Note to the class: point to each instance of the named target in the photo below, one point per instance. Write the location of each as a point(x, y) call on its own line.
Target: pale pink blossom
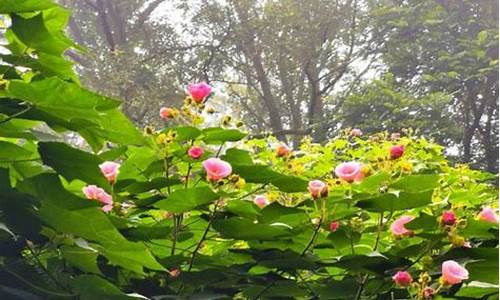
point(110, 170)
point(488, 214)
point(453, 273)
point(195, 152)
point(402, 278)
point(318, 189)
point(350, 171)
point(93, 192)
point(261, 201)
point(199, 91)
point(356, 132)
point(216, 169)
point(398, 226)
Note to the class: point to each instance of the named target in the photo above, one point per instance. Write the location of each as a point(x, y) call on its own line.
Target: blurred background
point(304, 67)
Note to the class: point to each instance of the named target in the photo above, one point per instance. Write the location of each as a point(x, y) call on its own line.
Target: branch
point(101, 13)
point(144, 15)
point(15, 115)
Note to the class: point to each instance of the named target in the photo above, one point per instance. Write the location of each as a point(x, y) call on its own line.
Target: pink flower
point(350, 171)
point(448, 218)
point(199, 91)
point(174, 272)
point(453, 273)
point(428, 292)
point(216, 169)
point(395, 136)
point(398, 226)
point(195, 152)
point(397, 151)
point(318, 189)
point(282, 150)
point(402, 278)
point(261, 201)
point(110, 170)
point(334, 226)
point(93, 192)
point(356, 132)
point(488, 215)
point(167, 113)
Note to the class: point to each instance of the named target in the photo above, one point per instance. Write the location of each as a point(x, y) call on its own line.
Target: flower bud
point(402, 279)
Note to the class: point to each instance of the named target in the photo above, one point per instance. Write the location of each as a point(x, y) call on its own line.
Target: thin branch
point(15, 115)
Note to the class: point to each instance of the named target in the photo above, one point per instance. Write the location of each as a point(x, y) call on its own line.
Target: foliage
point(173, 233)
point(451, 47)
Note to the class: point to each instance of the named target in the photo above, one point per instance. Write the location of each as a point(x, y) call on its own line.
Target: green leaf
point(391, 202)
point(186, 133)
point(373, 183)
point(19, 6)
point(132, 256)
point(73, 163)
point(83, 259)
point(243, 208)
point(424, 221)
point(416, 183)
point(236, 156)
point(65, 104)
point(34, 34)
point(88, 223)
point(187, 199)
point(92, 287)
point(10, 152)
point(477, 290)
point(217, 135)
point(244, 229)
point(263, 174)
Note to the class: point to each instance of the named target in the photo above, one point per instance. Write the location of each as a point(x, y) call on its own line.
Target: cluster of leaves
point(174, 233)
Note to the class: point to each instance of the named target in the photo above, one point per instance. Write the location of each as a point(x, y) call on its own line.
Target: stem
point(253, 192)
point(200, 242)
point(15, 115)
point(167, 167)
point(365, 278)
point(315, 234)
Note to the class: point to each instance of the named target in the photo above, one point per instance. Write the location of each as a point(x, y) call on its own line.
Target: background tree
point(452, 47)
point(118, 37)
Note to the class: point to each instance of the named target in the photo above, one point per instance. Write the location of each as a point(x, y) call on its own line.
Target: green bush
point(140, 215)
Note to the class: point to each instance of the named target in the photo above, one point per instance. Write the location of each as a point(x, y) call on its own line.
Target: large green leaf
point(10, 152)
point(92, 287)
point(187, 199)
point(68, 105)
point(416, 183)
point(132, 256)
point(217, 135)
point(72, 163)
point(263, 174)
point(34, 34)
point(83, 259)
point(392, 202)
